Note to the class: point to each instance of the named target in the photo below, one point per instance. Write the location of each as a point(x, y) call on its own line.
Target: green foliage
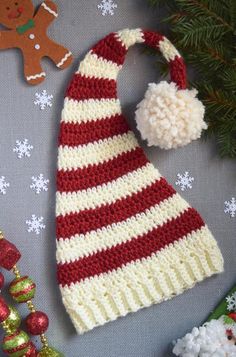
point(228, 320)
point(205, 32)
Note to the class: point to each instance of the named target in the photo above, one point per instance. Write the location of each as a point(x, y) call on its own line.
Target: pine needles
point(205, 32)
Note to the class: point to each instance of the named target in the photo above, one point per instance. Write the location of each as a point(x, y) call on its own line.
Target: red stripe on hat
point(73, 134)
point(137, 248)
point(111, 49)
point(81, 88)
point(178, 72)
point(92, 219)
point(94, 175)
point(152, 39)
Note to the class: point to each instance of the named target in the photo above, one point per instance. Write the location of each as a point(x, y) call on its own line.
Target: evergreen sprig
point(205, 32)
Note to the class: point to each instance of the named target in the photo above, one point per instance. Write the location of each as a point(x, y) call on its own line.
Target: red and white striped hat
point(125, 238)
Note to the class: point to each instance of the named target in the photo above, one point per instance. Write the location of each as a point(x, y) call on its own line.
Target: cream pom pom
point(169, 117)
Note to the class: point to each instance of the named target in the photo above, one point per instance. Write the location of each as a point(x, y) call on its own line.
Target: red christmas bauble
point(1, 280)
point(232, 315)
point(4, 310)
point(9, 254)
point(32, 352)
point(37, 323)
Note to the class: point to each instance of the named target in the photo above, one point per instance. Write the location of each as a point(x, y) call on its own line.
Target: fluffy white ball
point(168, 117)
point(209, 340)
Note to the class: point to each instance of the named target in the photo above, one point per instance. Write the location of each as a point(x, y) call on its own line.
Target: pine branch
point(229, 80)
point(212, 8)
point(211, 59)
point(232, 10)
point(227, 144)
point(193, 31)
point(205, 32)
point(220, 102)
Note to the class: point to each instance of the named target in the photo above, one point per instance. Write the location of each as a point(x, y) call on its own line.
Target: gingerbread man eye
point(7, 8)
point(16, 3)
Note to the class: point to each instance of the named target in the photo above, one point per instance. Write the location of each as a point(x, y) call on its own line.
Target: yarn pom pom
point(169, 117)
point(209, 340)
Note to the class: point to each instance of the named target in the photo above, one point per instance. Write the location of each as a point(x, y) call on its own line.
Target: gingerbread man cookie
point(28, 31)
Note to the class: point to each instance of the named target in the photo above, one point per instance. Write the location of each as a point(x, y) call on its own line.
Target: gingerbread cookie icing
point(28, 31)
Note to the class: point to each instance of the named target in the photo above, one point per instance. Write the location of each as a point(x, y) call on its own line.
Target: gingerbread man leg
point(60, 55)
point(34, 73)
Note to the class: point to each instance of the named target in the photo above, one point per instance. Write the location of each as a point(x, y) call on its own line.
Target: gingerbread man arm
point(46, 13)
point(7, 40)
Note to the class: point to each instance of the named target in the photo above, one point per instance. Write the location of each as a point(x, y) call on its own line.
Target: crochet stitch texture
point(125, 238)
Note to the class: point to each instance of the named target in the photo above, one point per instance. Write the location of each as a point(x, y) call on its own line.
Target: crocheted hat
point(125, 238)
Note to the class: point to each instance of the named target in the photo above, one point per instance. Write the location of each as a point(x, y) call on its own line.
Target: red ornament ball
point(9, 254)
point(1, 280)
point(4, 310)
point(22, 289)
point(37, 323)
point(232, 315)
point(16, 344)
point(32, 352)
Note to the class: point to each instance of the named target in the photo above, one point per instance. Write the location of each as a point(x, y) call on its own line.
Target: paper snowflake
point(22, 148)
point(3, 185)
point(35, 224)
point(43, 99)
point(39, 183)
point(107, 7)
point(184, 181)
point(230, 207)
point(231, 302)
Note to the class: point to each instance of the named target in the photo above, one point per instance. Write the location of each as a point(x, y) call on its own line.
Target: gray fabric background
point(147, 333)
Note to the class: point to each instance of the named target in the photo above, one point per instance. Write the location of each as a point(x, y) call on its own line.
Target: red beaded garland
point(37, 323)
point(4, 310)
point(1, 280)
point(17, 342)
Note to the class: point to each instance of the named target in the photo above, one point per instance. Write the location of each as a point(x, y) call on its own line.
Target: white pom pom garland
point(209, 340)
point(169, 117)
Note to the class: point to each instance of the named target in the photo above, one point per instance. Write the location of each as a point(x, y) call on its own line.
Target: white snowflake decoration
point(107, 7)
point(230, 207)
point(184, 181)
point(35, 224)
point(43, 99)
point(39, 184)
point(231, 302)
point(23, 148)
point(3, 185)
